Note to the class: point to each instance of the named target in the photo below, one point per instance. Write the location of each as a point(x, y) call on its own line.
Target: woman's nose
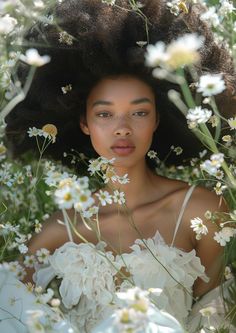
point(123, 130)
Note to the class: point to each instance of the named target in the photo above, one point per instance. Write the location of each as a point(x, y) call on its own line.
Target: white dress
point(152, 264)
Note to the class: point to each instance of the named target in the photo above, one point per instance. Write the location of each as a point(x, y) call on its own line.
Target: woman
point(115, 102)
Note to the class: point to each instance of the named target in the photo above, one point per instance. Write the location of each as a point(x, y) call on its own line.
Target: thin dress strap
point(181, 213)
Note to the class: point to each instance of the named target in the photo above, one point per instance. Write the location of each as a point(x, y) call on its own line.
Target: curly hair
point(102, 41)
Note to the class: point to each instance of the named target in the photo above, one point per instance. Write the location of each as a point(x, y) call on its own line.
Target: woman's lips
point(123, 148)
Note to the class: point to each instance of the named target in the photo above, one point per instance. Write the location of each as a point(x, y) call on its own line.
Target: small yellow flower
point(50, 129)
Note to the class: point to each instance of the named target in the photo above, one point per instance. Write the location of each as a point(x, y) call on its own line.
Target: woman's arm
point(208, 250)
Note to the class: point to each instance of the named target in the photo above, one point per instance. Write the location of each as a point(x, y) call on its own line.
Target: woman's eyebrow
point(101, 102)
point(135, 101)
point(141, 100)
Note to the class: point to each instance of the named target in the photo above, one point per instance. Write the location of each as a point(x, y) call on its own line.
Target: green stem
point(20, 97)
point(185, 89)
point(217, 114)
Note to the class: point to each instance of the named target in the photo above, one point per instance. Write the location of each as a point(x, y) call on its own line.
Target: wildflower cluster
point(138, 315)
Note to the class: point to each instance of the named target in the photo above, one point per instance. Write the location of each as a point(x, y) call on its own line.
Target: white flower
point(152, 154)
point(123, 179)
point(198, 227)
point(211, 84)
point(217, 159)
point(223, 236)
point(227, 138)
point(99, 164)
point(33, 131)
point(174, 7)
point(208, 311)
point(84, 201)
point(198, 115)
point(211, 166)
point(15, 268)
point(29, 261)
point(119, 197)
point(37, 226)
point(39, 4)
point(65, 197)
point(232, 123)
point(219, 174)
point(211, 17)
point(130, 320)
point(23, 248)
point(104, 197)
point(228, 273)
point(7, 24)
point(42, 255)
point(219, 188)
point(183, 50)
point(156, 54)
point(178, 150)
point(90, 212)
point(180, 52)
point(226, 7)
point(214, 121)
point(33, 58)
point(54, 177)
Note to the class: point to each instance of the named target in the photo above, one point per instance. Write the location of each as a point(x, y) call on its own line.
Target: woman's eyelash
point(107, 114)
point(140, 113)
point(103, 114)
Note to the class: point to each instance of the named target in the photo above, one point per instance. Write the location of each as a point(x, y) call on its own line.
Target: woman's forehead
point(123, 86)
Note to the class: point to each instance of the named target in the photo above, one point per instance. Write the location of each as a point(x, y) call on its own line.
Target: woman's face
point(120, 119)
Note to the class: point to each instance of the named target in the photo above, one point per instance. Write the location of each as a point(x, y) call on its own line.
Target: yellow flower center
point(67, 197)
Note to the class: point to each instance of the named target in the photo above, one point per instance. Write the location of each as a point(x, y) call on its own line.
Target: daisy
point(42, 255)
point(198, 226)
point(29, 261)
point(232, 123)
point(210, 84)
point(119, 197)
point(33, 131)
point(104, 197)
point(223, 236)
point(152, 154)
point(84, 201)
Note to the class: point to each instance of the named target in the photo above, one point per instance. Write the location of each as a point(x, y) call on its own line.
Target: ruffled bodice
point(154, 264)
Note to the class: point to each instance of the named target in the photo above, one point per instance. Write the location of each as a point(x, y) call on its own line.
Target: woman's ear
point(84, 126)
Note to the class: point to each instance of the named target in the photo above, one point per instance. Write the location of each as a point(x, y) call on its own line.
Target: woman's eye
point(140, 113)
point(103, 114)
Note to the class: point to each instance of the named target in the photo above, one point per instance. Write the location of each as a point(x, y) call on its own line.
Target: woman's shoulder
point(197, 196)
